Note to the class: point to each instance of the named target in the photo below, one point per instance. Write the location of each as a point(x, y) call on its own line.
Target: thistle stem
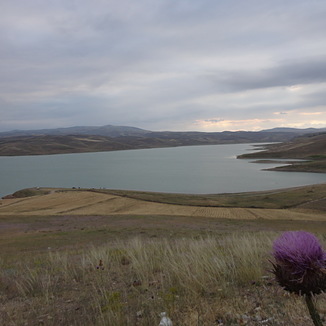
point(313, 311)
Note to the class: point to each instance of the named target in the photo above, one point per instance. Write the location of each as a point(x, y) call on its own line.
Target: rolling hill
point(310, 147)
point(108, 131)
point(110, 138)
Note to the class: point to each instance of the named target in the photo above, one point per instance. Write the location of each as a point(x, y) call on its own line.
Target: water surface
point(191, 169)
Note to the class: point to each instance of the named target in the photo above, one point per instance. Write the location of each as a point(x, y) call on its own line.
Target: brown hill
point(310, 147)
point(61, 144)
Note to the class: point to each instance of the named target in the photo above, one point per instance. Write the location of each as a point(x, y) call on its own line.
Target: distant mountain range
point(121, 131)
point(109, 138)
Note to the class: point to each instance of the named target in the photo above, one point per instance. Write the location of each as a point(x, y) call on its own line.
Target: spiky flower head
point(300, 263)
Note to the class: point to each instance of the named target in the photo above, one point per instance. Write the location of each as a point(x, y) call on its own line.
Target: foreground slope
point(108, 257)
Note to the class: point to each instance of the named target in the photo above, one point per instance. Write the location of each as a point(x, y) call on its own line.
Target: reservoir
point(190, 169)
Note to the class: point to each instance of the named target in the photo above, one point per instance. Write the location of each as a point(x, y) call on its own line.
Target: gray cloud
point(159, 65)
point(305, 71)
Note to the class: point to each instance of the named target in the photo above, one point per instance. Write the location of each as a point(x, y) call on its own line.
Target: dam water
point(190, 169)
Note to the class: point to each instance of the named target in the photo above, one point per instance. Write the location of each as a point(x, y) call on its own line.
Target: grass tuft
point(197, 281)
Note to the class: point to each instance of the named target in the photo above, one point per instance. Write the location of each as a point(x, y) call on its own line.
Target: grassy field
point(202, 259)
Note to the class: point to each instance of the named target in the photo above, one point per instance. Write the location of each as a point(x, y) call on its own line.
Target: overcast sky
point(206, 65)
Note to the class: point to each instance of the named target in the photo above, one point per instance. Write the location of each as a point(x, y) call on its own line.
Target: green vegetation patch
point(29, 192)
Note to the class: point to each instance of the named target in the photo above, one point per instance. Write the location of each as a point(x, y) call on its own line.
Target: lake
point(190, 169)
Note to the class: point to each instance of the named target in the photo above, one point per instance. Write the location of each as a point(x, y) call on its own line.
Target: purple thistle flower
point(300, 262)
point(299, 249)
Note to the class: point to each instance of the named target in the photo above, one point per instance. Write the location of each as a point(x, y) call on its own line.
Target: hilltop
point(108, 130)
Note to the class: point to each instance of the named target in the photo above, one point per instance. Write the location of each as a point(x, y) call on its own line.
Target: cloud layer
point(163, 65)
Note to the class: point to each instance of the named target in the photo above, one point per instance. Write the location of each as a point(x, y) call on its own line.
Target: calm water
point(193, 169)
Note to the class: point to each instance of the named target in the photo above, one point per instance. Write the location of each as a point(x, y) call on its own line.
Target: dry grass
point(204, 281)
point(274, 199)
point(205, 266)
point(102, 203)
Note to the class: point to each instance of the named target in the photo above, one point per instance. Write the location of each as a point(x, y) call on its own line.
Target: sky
point(179, 65)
